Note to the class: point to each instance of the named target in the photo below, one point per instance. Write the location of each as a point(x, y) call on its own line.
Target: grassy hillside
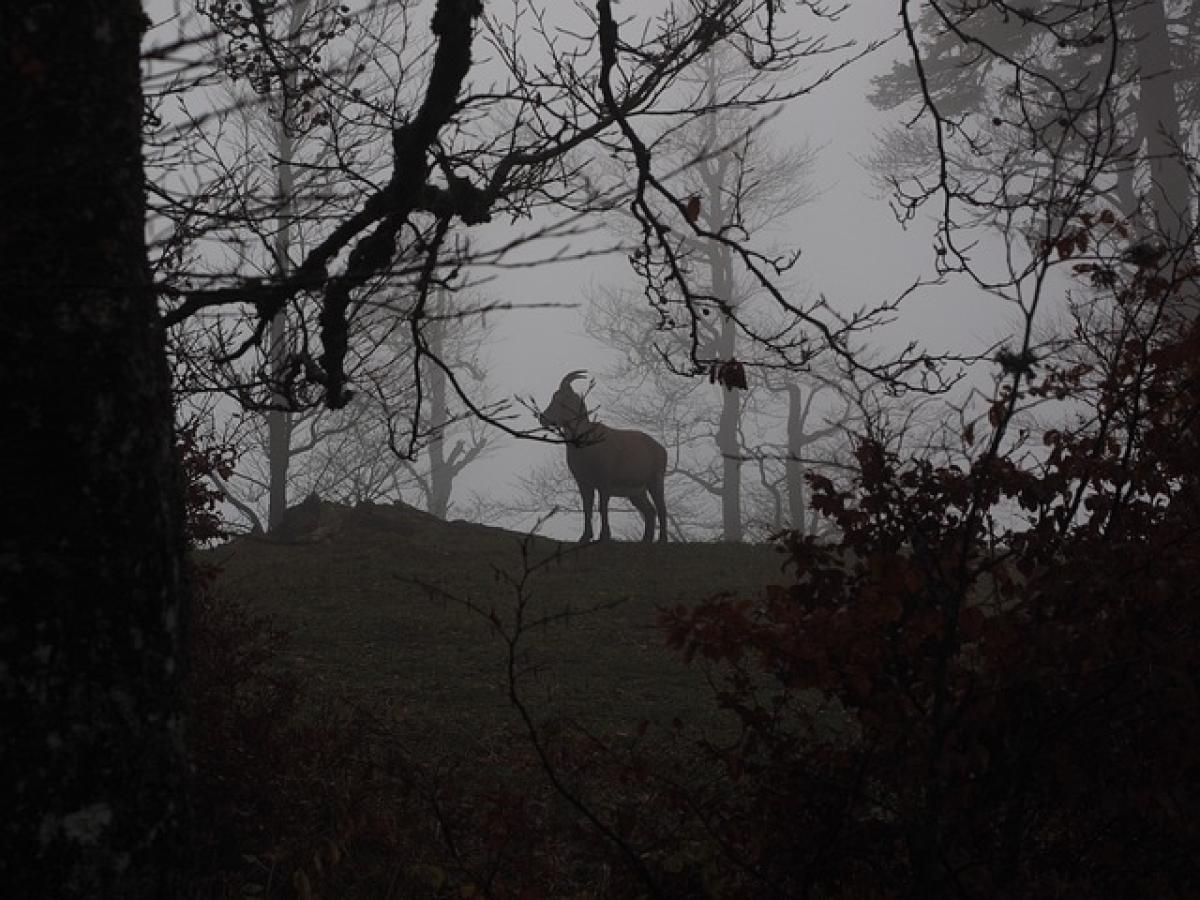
point(376, 599)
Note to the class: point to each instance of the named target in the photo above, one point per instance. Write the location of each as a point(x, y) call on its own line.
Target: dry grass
point(366, 594)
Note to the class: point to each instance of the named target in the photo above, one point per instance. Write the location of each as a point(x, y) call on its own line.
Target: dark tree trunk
point(91, 761)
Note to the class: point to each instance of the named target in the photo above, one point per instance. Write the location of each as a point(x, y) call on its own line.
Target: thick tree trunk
point(91, 604)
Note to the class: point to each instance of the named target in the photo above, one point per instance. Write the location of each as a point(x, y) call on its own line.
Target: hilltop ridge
point(378, 599)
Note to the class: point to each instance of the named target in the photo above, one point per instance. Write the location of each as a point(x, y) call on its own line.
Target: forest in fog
point(322, 319)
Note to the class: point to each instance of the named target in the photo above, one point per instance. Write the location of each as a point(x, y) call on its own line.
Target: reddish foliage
point(198, 461)
point(990, 686)
point(987, 688)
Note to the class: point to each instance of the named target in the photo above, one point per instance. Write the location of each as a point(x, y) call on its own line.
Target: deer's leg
point(588, 494)
point(658, 493)
point(605, 533)
point(646, 508)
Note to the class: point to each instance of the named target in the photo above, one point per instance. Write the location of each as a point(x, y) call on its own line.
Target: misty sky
point(854, 252)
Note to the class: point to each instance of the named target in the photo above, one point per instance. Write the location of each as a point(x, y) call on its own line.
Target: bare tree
point(436, 479)
point(401, 210)
point(737, 184)
point(1078, 106)
point(816, 425)
point(270, 178)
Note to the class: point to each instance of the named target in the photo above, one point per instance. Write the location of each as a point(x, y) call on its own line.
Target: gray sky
point(854, 253)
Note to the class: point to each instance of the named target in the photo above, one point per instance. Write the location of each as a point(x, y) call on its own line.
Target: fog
point(852, 252)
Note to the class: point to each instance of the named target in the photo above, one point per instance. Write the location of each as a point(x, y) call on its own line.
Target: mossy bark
point(91, 598)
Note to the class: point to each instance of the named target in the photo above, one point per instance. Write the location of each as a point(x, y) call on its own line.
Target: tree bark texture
point(1159, 123)
point(91, 761)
